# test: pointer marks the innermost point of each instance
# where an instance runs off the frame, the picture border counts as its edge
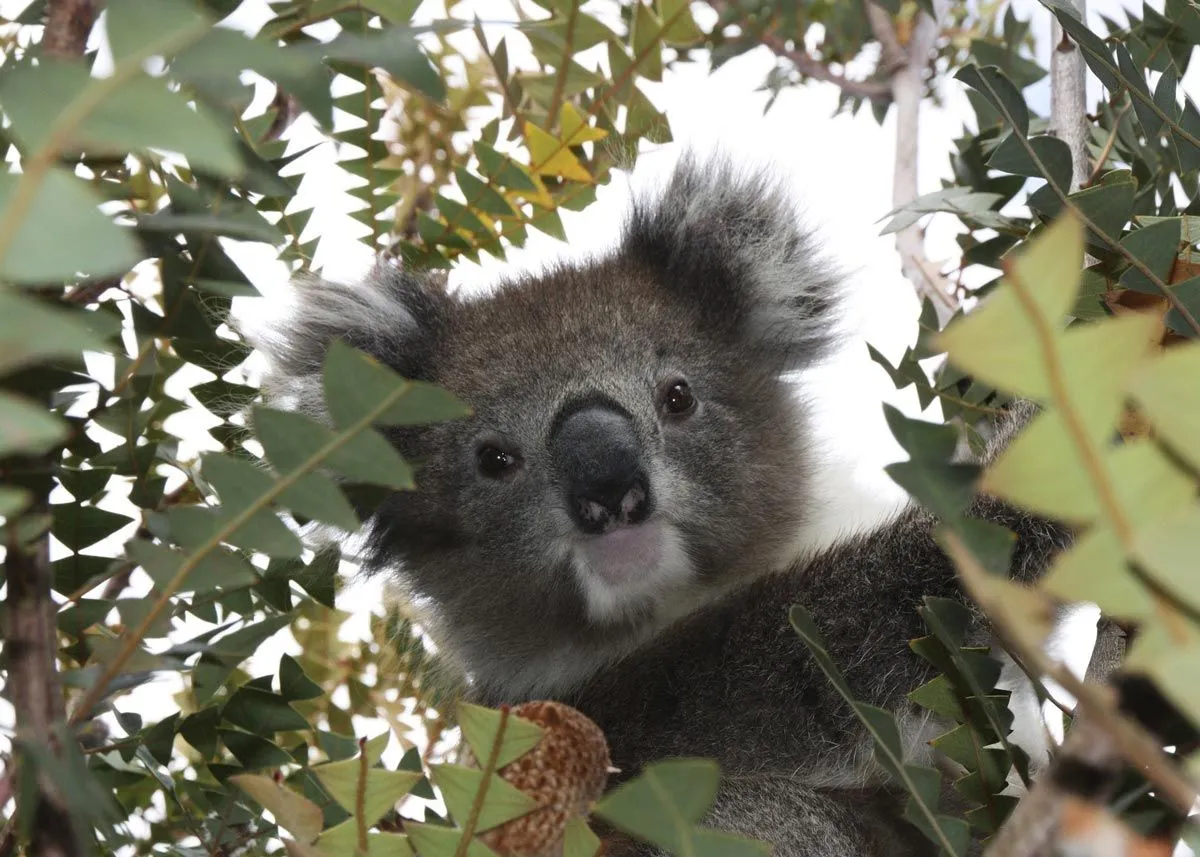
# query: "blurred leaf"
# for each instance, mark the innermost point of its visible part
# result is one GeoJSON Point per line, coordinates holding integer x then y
{"type": "Point", "coordinates": [354, 384]}
{"type": "Point", "coordinates": [395, 50]}
{"type": "Point", "coordinates": [219, 569]}
{"type": "Point", "coordinates": [36, 214]}
{"type": "Point", "coordinates": [26, 427]}
{"type": "Point", "coordinates": [293, 812]}
{"type": "Point", "coordinates": [291, 439]}
{"type": "Point", "coordinates": [261, 712]}
{"type": "Point", "coordinates": [579, 840]}
{"type": "Point", "coordinates": [434, 840]}
{"type": "Point", "coordinates": [78, 526]}
{"type": "Point", "coordinates": [142, 113]}
{"type": "Point", "coordinates": [31, 331]}
{"type": "Point", "coordinates": [459, 786]}
{"type": "Point", "coordinates": [480, 727]}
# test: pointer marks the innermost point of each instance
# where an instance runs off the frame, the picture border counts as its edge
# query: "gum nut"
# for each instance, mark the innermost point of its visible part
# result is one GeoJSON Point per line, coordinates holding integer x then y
{"type": "Point", "coordinates": [565, 774]}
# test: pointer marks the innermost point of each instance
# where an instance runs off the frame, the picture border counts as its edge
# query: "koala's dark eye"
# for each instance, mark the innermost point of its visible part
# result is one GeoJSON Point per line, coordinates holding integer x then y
{"type": "Point", "coordinates": [495, 463]}
{"type": "Point", "coordinates": [678, 399]}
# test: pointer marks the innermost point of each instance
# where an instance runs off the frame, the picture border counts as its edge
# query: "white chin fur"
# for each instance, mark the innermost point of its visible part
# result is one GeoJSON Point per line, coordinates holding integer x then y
{"type": "Point", "coordinates": [649, 563]}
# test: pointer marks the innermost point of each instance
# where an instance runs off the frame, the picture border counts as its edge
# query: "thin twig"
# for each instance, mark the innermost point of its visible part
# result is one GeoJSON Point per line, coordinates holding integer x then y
{"type": "Point", "coordinates": [907, 67]}
{"type": "Point", "coordinates": [805, 63]}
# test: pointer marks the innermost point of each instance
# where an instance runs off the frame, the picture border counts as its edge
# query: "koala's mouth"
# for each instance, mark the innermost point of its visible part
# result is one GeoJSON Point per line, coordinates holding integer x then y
{"type": "Point", "coordinates": [632, 569]}
{"type": "Point", "coordinates": [625, 554]}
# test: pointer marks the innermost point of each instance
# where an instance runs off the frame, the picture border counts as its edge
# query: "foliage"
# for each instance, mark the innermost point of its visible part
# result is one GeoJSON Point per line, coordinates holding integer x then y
{"type": "Point", "coordinates": [1107, 351]}
{"type": "Point", "coordinates": [113, 236]}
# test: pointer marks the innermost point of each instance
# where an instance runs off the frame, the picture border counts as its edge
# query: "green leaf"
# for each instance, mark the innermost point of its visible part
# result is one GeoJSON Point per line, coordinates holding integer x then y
{"type": "Point", "coordinates": [1167, 391]}
{"type": "Point", "coordinates": [996, 343]}
{"type": "Point", "coordinates": [261, 712]}
{"type": "Point", "coordinates": [579, 840]}
{"type": "Point", "coordinates": [645, 36]}
{"type": "Point", "coordinates": [664, 803]}
{"type": "Point", "coordinates": [1156, 246]}
{"type": "Point", "coordinates": [293, 812]}
{"type": "Point", "coordinates": [481, 725]}
{"type": "Point", "coordinates": [218, 570]}
{"type": "Point", "coordinates": [435, 840]}
{"type": "Point", "coordinates": [482, 196]}
{"type": "Point", "coordinates": [290, 440]}
{"type": "Point", "coordinates": [343, 839]}
{"type": "Point", "coordinates": [159, 739]}
{"type": "Point", "coordinates": [460, 785]}
{"type": "Point", "coordinates": [142, 113]}
{"type": "Point", "coordinates": [949, 833]}
{"type": "Point", "coordinates": [139, 28]}
{"type": "Point", "coordinates": [1000, 92]}
{"type": "Point", "coordinates": [1095, 53]}
{"type": "Point", "coordinates": [1094, 570]}
{"type": "Point", "coordinates": [502, 169]}
{"type": "Point", "coordinates": [28, 428]}
{"type": "Point", "coordinates": [37, 214]}
{"type": "Point", "coordinates": [293, 683]}
{"type": "Point", "coordinates": [938, 696]}
{"type": "Point", "coordinates": [32, 331]}
{"type": "Point", "coordinates": [355, 383]}
{"type": "Point", "coordinates": [1053, 158]}
{"type": "Point", "coordinates": [78, 526]}
{"type": "Point", "coordinates": [252, 751]}
{"type": "Point", "coordinates": [395, 50]}
{"type": "Point", "coordinates": [194, 527]}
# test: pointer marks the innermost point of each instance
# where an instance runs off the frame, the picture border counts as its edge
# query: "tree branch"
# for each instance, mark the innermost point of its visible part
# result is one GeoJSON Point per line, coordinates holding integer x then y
{"type": "Point", "coordinates": [907, 65]}
{"type": "Point", "coordinates": [31, 632]}
{"type": "Point", "coordinates": [805, 63]}
{"type": "Point", "coordinates": [68, 25]}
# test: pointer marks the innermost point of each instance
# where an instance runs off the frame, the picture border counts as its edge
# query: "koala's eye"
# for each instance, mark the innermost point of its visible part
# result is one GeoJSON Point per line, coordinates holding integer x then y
{"type": "Point", "coordinates": [678, 399]}
{"type": "Point", "coordinates": [495, 463]}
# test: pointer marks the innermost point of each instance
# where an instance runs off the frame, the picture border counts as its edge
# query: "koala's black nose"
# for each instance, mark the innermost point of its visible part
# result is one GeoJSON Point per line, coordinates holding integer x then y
{"type": "Point", "coordinates": [598, 457]}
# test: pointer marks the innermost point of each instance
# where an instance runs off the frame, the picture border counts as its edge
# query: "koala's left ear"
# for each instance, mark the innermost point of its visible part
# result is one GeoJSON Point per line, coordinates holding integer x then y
{"type": "Point", "coordinates": [395, 316]}
{"type": "Point", "coordinates": [733, 245]}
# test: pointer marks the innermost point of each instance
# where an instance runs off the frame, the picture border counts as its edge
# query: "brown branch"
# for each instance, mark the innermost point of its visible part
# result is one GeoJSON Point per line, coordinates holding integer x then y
{"type": "Point", "coordinates": [805, 63]}
{"type": "Point", "coordinates": [68, 24]}
{"type": "Point", "coordinates": [31, 645]}
{"type": "Point", "coordinates": [907, 65]}
{"type": "Point", "coordinates": [31, 633]}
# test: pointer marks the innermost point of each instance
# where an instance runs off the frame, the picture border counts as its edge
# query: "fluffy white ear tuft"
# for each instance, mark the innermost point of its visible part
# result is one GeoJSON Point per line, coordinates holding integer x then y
{"type": "Point", "coordinates": [393, 316]}
{"type": "Point", "coordinates": [733, 242]}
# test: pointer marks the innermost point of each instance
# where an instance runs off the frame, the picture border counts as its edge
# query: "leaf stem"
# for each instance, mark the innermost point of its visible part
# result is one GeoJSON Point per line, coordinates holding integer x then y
{"type": "Point", "coordinates": [489, 768]}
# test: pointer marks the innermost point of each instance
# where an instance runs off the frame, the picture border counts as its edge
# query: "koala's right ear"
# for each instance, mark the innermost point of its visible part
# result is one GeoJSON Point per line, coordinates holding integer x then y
{"type": "Point", "coordinates": [395, 316]}
{"type": "Point", "coordinates": [730, 241]}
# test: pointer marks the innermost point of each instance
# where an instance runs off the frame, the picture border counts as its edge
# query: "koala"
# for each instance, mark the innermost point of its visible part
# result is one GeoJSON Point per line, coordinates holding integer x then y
{"type": "Point", "coordinates": [620, 524]}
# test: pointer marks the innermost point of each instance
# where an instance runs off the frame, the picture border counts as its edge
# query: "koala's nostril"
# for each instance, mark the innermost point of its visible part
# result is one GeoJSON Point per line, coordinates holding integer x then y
{"type": "Point", "coordinates": [635, 505]}
{"type": "Point", "coordinates": [598, 508]}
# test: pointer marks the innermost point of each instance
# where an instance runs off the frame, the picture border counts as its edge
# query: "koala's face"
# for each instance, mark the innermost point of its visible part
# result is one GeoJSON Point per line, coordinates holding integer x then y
{"type": "Point", "coordinates": [633, 446]}
{"type": "Point", "coordinates": [619, 458]}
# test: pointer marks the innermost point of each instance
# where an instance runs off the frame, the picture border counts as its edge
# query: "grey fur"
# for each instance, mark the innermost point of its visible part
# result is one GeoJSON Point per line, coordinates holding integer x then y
{"type": "Point", "coordinates": [714, 281]}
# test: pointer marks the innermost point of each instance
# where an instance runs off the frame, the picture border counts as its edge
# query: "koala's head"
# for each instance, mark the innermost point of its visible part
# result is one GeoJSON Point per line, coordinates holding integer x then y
{"type": "Point", "coordinates": [633, 447]}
